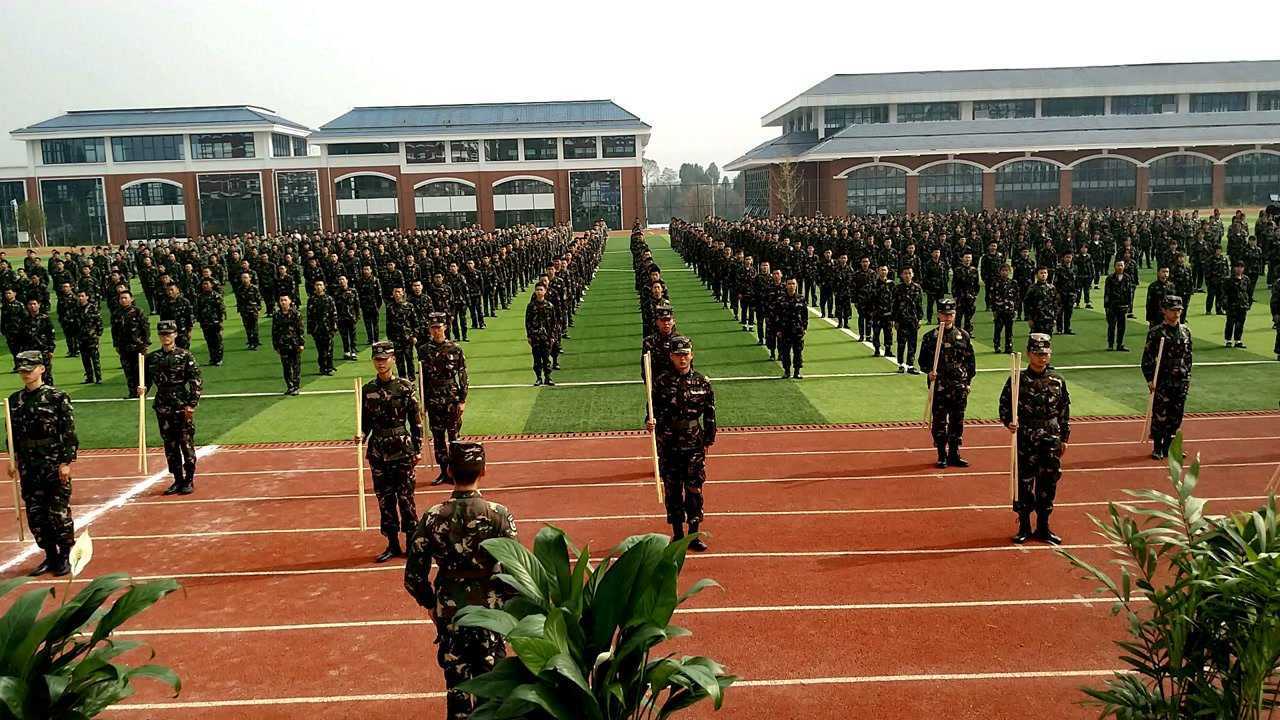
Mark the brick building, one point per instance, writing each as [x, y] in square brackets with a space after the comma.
[1182, 135]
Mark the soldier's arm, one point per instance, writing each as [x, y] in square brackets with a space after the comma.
[415, 420]
[417, 568]
[1006, 404]
[70, 443]
[1149, 355]
[195, 382]
[464, 382]
[709, 417]
[970, 361]
[1064, 413]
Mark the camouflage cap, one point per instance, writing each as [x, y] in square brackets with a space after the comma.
[166, 327]
[466, 456]
[383, 349]
[663, 311]
[437, 318]
[1039, 343]
[1171, 302]
[947, 306]
[681, 346]
[28, 359]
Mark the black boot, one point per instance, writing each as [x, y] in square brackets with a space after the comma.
[1157, 448]
[677, 531]
[393, 549]
[697, 545]
[1042, 530]
[1024, 528]
[548, 381]
[441, 479]
[537, 374]
[46, 564]
[942, 455]
[175, 487]
[953, 456]
[61, 565]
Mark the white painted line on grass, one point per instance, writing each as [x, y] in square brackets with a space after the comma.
[816, 313]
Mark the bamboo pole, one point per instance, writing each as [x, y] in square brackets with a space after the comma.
[1015, 386]
[653, 436]
[13, 464]
[142, 415]
[422, 410]
[933, 384]
[364, 518]
[1151, 399]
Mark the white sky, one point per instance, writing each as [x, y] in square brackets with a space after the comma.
[700, 73]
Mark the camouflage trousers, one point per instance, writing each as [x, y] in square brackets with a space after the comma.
[464, 653]
[48, 502]
[445, 423]
[1039, 469]
[949, 405]
[393, 485]
[683, 472]
[1167, 410]
[179, 436]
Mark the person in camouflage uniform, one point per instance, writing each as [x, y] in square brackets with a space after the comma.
[685, 425]
[347, 305]
[541, 331]
[1174, 383]
[391, 428]
[210, 312]
[658, 343]
[66, 310]
[964, 288]
[1275, 315]
[879, 308]
[11, 313]
[249, 304]
[450, 535]
[954, 374]
[322, 323]
[790, 322]
[35, 332]
[444, 389]
[176, 376]
[908, 309]
[1156, 293]
[1042, 426]
[1237, 297]
[88, 323]
[1040, 304]
[1004, 301]
[1117, 292]
[402, 327]
[44, 435]
[369, 290]
[178, 308]
[130, 334]
[288, 341]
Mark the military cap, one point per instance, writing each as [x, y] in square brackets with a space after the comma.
[663, 311]
[466, 456]
[437, 318]
[1039, 343]
[383, 349]
[947, 305]
[166, 327]
[28, 359]
[681, 346]
[1171, 302]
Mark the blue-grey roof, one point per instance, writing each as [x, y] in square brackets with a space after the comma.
[569, 115]
[791, 145]
[134, 118]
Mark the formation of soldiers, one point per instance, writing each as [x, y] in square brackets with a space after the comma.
[556, 296]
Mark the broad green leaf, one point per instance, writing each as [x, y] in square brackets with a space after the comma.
[137, 599]
[521, 570]
[554, 630]
[534, 652]
[537, 695]
[614, 596]
[564, 665]
[13, 693]
[500, 681]
[482, 617]
[577, 590]
[696, 588]
[705, 679]
[157, 672]
[552, 550]
[56, 685]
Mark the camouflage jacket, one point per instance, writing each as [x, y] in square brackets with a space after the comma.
[1236, 293]
[209, 308]
[286, 331]
[1040, 303]
[450, 534]
[659, 348]
[322, 315]
[680, 402]
[791, 315]
[390, 422]
[129, 330]
[908, 304]
[1117, 291]
[175, 376]
[445, 370]
[248, 299]
[44, 426]
[1003, 294]
[1044, 406]
[88, 322]
[402, 321]
[964, 282]
[179, 310]
[347, 304]
[1175, 365]
[956, 362]
[35, 332]
[540, 322]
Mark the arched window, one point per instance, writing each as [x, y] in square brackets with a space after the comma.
[154, 210]
[950, 186]
[1104, 182]
[1180, 181]
[1252, 178]
[444, 202]
[1027, 184]
[876, 188]
[367, 202]
[521, 201]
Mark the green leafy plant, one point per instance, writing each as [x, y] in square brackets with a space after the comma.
[585, 639]
[31, 219]
[61, 665]
[1201, 594]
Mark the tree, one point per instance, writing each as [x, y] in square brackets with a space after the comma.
[651, 172]
[668, 177]
[786, 184]
[31, 219]
[693, 174]
[713, 173]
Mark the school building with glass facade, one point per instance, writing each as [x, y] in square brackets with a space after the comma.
[115, 175]
[1183, 135]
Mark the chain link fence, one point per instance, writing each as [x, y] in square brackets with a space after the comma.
[692, 202]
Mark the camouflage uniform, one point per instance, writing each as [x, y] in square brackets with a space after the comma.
[790, 321]
[131, 334]
[680, 401]
[402, 325]
[1040, 307]
[956, 369]
[450, 534]
[88, 323]
[286, 338]
[541, 330]
[1174, 382]
[35, 332]
[176, 377]
[210, 312]
[249, 305]
[444, 389]
[1002, 297]
[322, 323]
[658, 346]
[392, 429]
[44, 431]
[1044, 427]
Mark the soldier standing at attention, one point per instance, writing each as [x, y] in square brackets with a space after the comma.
[392, 431]
[174, 373]
[1005, 301]
[347, 305]
[907, 308]
[686, 426]
[1042, 425]
[1275, 315]
[287, 339]
[322, 323]
[249, 305]
[44, 435]
[540, 330]
[402, 326]
[1116, 294]
[451, 536]
[956, 369]
[131, 334]
[658, 343]
[35, 332]
[67, 318]
[1237, 297]
[88, 322]
[179, 309]
[880, 308]
[444, 389]
[369, 289]
[1174, 383]
[1040, 304]
[1156, 293]
[964, 286]
[1066, 280]
[210, 313]
[791, 321]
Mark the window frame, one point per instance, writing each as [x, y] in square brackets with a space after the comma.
[573, 147]
[203, 149]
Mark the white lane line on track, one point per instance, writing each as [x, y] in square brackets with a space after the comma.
[96, 513]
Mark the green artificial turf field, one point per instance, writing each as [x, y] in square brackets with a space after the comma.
[604, 349]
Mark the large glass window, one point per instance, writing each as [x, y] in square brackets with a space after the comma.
[579, 148]
[367, 202]
[541, 149]
[154, 210]
[464, 151]
[300, 147]
[618, 146]
[595, 196]
[1252, 178]
[1027, 184]
[524, 201]
[876, 189]
[1219, 102]
[219, 146]
[1143, 104]
[73, 150]
[1104, 182]
[445, 203]
[280, 145]
[756, 191]
[298, 198]
[950, 186]
[75, 211]
[140, 148]
[152, 193]
[425, 152]
[1072, 106]
[1180, 181]
[502, 150]
[922, 112]
[12, 192]
[230, 204]
[1269, 100]
[839, 117]
[1002, 109]
[366, 148]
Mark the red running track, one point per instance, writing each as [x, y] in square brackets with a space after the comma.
[859, 580]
